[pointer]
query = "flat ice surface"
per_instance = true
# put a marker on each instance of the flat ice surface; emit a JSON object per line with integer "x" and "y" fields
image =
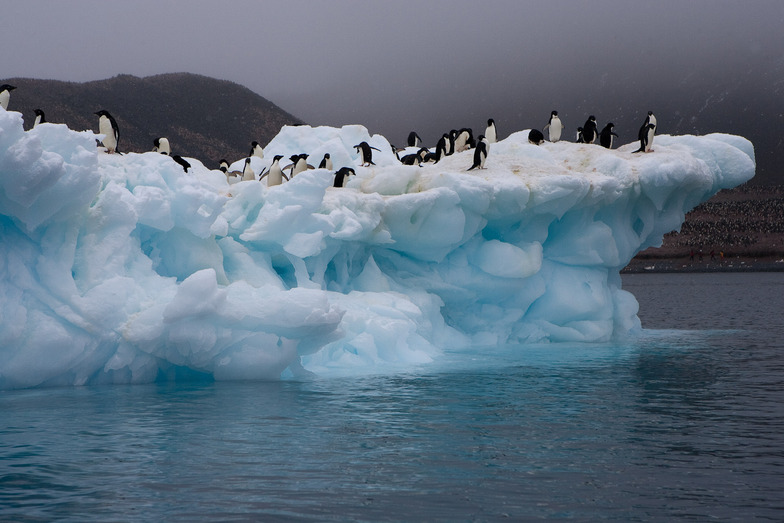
{"x": 126, "y": 269}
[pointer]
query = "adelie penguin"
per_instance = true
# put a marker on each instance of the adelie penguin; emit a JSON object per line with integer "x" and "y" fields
{"x": 256, "y": 149}
{"x": 247, "y": 171}
{"x": 413, "y": 139}
{"x": 180, "y": 160}
{"x": 299, "y": 163}
{"x": 40, "y": 118}
{"x": 555, "y": 126}
{"x": 606, "y": 136}
{"x": 441, "y": 147}
{"x": 490, "y": 133}
{"x": 647, "y": 131}
{"x": 364, "y": 149}
{"x": 480, "y": 154}
{"x": 590, "y": 130}
{"x": 341, "y": 175}
{"x": 535, "y": 137}
{"x": 326, "y": 162}
{"x": 161, "y": 145}
{"x": 107, "y": 126}
{"x": 5, "y": 95}
{"x": 274, "y": 174}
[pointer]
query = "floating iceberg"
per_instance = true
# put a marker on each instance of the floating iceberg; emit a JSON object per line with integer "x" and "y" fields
{"x": 124, "y": 269}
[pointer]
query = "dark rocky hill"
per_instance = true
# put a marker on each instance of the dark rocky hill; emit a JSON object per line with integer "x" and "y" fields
{"x": 202, "y": 117}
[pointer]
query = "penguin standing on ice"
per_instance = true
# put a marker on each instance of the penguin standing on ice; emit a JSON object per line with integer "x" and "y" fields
{"x": 5, "y": 95}
{"x": 480, "y": 154}
{"x": 247, "y": 171}
{"x": 580, "y": 138}
{"x": 490, "y": 133}
{"x": 299, "y": 163}
{"x": 161, "y": 145}
{"x": 590, "y": 130}
{"x": 364, "y": 149}
{"x": 555, "y": 126}
{"x": 107, "y": 126}
{"x": 341, "y": 175}
{"x": 413, "y": 139}
{"x": 224, "y": 167}
{"x": 274, "y": 174}
{"x": 606, "y": 136}
{"x": 256, "y": 150}
{"x": 40, "y": 117}
{"x": 326, "y": 162}
{"x": 646, "y": 138}
{"x": 441, "y": 147}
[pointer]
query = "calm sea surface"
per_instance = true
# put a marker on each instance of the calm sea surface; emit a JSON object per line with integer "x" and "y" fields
{"x": 686, "y": 423}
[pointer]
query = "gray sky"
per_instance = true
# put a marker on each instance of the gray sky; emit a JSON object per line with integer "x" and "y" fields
{"x": 400, "y": 65}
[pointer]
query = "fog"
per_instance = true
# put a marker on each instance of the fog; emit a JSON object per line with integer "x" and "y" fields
{"x": 405, "y": 65}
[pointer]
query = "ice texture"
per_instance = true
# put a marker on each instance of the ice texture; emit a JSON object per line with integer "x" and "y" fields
{"x": 125, "y": 269}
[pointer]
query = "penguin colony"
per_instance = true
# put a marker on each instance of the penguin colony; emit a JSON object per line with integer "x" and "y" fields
{"x": 449, "y": 143}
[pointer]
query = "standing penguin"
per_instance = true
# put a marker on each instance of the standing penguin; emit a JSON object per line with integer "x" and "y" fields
{"x": 40, "y": 117}
{"x": 161, "y": 145}
{"x": 480, "y": 154}
{"x": 441, "y": 147}
{"x": 490, "y": 133}
{"x": 326, "y": 162}
{"x": 341, "y": 175}
{"x": 108, "y": 127}
{"x": 590, "y": 130}
{"x": 247, "y": 171}
{"x": 364, "y": 149}
{"x": 256, "y": 150}
{"x": 413, "y": 139}
{"x": 555, "y": 126}
{"x": 224, "y": 167}
{"x": 646, "y": 137}
{"x": 606, "y": 136}
{"x": 274, "y": 174}
{"x": 5, "y": 95}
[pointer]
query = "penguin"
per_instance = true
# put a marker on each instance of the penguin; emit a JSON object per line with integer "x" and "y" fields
{"x": 224, "y": 167}
{"x": 490, "y": 133}
{"x": 411, "y": 159}
{"x": 535, "y": 137}
{"x": 413, "y": 139}
{"x": 580, "y": 138}
{"x": 650, "y": 119}
{"x": 180, "y": 160}
{"x": 5, "y": 95}
{"x": 480, "y": 154}
{"x": 423, "y": 153}
{"x": 364, "y": 148}
{"x": 441, "y": 147}
{"x": 341, "y": 175}
{"x": 646, "y": 137}
{"x": 107, "y": 126}
{"x": 161, "y": 145}
{"x": 247, "y": 171}
{"x": 463, "y": 140}
{"x": 274, "y": 174}
{"x": 590, "y": 130}
{"x": 40, "y": 117}
{"x": 256, "y": 150}
{"x": 555, "y": 126}
{"x": 606, "y": 136}
{"x": 299, "y": 163}
{"x": 326, "y": 162}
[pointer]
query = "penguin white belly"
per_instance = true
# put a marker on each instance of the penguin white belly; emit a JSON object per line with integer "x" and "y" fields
{"x": 555, "y": 129}
{"x": 37, "y": 121}
{"x": 649, "y": 143}
{"x": 275, "y": 176}
{"x": 5, "y": 96}
{"x": 490, "y": 134}
{"x": 105, "y": 128}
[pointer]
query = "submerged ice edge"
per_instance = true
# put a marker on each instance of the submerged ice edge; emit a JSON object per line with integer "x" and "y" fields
{"x": 124, "y": 269}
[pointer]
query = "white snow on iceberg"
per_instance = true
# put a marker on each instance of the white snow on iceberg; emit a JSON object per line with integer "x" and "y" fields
{"x": 125, "y": 269}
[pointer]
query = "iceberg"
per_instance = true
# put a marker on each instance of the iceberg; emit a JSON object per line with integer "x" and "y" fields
{"x": 124, "y": 269}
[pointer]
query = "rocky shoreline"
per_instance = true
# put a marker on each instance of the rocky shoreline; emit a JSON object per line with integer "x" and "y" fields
{"x": 738, "y": 230}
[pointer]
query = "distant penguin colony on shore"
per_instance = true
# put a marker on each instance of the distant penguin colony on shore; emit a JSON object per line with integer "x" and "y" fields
{"x": 450, "y": 143}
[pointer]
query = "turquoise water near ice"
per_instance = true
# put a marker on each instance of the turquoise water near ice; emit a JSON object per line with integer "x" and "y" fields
{"x": 685, "y": 422}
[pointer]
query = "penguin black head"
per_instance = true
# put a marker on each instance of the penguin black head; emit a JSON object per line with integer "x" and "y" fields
{"x": 326, "y": 155}
{"x": 6, "y": 87}
{"x": 490, "y": 122}
{"x": 592, "y": 118}
{"x": 253, "y": 144}
{"x": 39, "y": 112}
{"x": 157, "y": 143}
{"x": 554, "y": 113}
{"x": 103, "y": 112}
{"x": 304, "y": 156}
{"x": 294, "y": 158}
{"x": 277, "y": 158}
{"x": 650, "y": 113}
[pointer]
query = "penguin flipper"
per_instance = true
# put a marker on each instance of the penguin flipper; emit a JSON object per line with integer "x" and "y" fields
{"x": 264, "y": 172}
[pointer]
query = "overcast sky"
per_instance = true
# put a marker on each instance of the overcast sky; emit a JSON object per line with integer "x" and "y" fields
{"x": 400, "y": 65}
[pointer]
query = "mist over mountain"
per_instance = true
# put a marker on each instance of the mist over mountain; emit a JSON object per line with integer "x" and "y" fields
{"x": 202, "y": 117}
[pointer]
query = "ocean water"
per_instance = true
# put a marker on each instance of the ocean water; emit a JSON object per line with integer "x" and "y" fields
{"x": 685, "y": 422}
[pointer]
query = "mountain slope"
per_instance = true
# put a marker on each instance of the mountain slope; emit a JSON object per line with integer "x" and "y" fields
{"x": 202, "y": 117}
